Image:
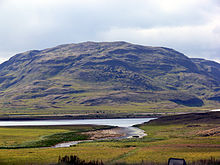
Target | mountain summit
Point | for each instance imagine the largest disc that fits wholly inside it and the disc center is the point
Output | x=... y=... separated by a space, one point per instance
x=106 y=74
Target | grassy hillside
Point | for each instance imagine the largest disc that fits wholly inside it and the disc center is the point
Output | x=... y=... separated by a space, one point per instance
x=191 y=118
x=106 y=76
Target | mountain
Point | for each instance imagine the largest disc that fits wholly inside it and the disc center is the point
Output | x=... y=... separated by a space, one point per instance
x=106 y=74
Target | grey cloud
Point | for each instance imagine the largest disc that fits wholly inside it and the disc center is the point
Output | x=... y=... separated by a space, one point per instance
x=46 y=24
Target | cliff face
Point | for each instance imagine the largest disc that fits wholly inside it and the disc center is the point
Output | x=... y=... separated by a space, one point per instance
x=106 y=73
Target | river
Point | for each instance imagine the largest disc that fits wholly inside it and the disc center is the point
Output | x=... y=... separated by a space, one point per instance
x=125 y=126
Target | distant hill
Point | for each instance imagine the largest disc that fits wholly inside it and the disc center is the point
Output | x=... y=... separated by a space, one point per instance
x=106 y=74
x=190 y=118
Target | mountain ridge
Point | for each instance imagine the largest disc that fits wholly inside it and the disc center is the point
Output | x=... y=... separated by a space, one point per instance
x=106 y=73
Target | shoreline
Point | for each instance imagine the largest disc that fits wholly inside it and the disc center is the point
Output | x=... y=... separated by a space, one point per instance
x=32 y=117
x=117 y=133
x=76 y=117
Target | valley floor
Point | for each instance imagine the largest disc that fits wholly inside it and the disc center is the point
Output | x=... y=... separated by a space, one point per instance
x=189 y=139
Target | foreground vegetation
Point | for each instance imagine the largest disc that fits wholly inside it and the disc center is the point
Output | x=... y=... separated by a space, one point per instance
x=74 y=160
x=191 y=137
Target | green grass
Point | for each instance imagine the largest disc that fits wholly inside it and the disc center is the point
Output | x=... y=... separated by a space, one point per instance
x=154 y=108
x=42 y=136
x=16 y=136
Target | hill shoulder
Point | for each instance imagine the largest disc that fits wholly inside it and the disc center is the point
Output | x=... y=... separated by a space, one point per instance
x=190 y=118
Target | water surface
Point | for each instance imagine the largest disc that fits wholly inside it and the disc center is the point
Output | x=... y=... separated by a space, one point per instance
x=112 y=122
x=215 y=110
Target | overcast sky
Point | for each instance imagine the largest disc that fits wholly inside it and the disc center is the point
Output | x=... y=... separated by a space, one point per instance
x=189 y=26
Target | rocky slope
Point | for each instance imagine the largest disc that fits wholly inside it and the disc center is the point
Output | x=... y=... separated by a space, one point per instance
x=106 y=73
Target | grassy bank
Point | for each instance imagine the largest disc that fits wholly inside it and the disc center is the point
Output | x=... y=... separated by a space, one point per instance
x=42 y=136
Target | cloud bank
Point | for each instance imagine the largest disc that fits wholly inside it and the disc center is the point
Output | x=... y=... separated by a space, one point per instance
x=189 y=26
